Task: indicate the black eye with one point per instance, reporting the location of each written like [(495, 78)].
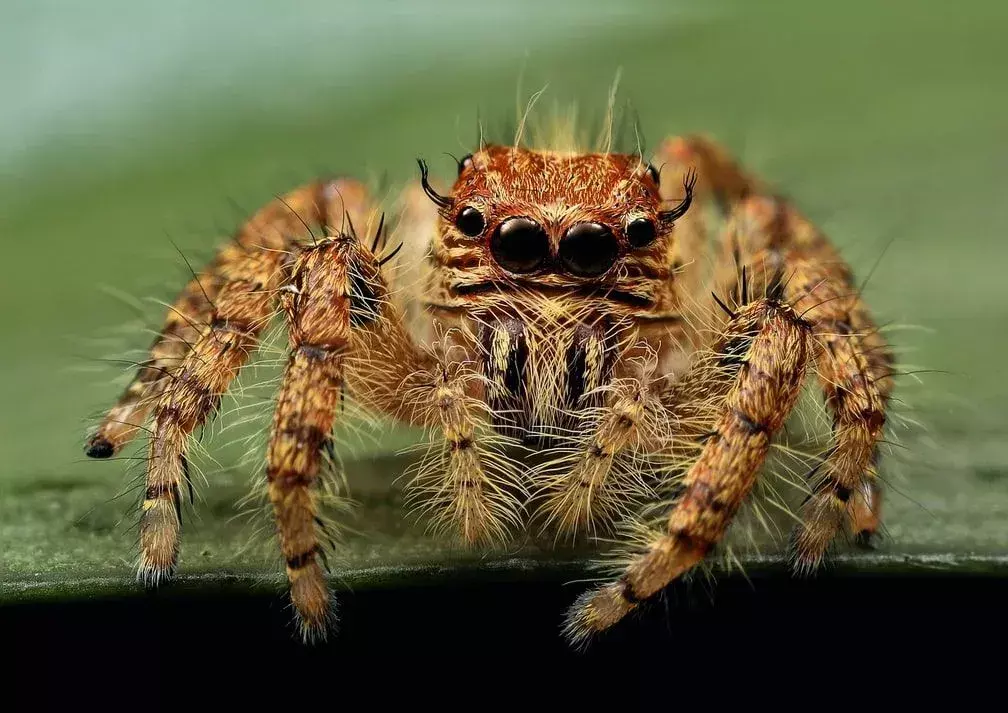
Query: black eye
[(653, 172), (520, 245), (588, 250), (464, 163), (641, 232), (470, 221)]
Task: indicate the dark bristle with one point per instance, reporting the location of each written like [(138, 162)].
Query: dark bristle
[(723, 306), (188, 478), (442, 202), (177, 500), (378, 233), (391, 255)]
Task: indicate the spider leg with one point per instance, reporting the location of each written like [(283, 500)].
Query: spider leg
[(238, 302), (187, 317), (242, 308), (785, 256), (719, 176), (465, 482), (767, 346), (275, 227), (792, 259), (335, 290), (348, 330)]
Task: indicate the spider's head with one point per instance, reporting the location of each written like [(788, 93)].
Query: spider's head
[(555, 219)]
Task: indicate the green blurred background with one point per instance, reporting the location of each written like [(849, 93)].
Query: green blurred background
[(129, 128)]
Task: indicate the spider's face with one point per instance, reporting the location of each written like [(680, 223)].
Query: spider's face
[(552, 220)]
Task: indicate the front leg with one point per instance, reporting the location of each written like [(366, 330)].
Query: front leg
[(766, 347), (335, 287), (346, 330)]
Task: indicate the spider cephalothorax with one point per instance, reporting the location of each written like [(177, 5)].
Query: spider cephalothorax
[(550, 321), (548, 257)]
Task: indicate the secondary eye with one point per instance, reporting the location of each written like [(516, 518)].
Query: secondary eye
[(464, 163), (520, 245), (641, 232), (470, 221), (653, 172)]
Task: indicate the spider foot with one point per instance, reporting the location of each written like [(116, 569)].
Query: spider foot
[(314, 607), (595, 611)]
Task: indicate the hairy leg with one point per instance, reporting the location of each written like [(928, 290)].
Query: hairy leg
[(348, 330), (208, 336), (242, 308), (767, 346), (719, 176), (276, 227), (335, 289), (790, 258), (786, 257)]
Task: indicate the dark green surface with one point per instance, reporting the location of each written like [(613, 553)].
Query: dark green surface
[(886, 121)]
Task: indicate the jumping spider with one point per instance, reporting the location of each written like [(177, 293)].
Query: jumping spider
[(565, 325)]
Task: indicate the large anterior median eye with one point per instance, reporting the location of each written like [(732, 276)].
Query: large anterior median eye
[(470, 221), (588, 250), (520, 245), (641, 232)]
